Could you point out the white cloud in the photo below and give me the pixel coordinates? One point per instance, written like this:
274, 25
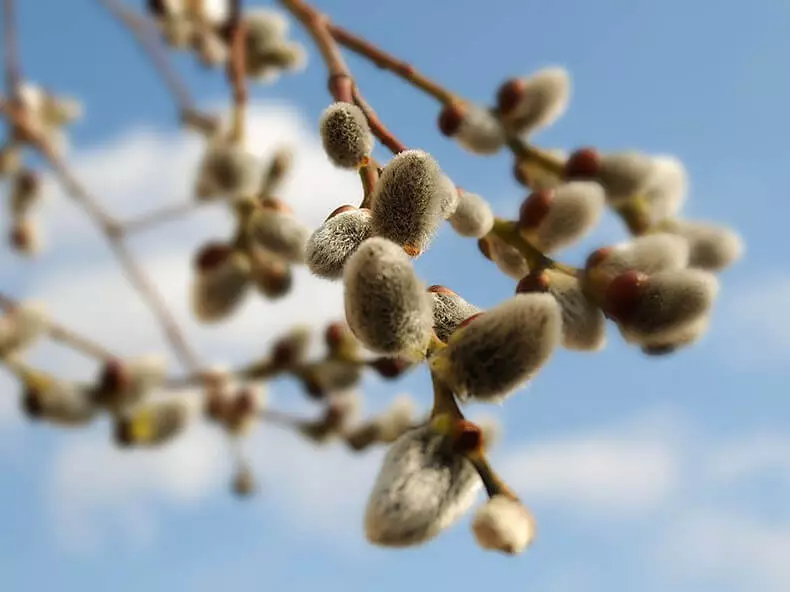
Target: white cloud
750, 457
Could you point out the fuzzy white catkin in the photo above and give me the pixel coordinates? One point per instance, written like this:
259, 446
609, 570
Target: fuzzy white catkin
507, 258
396, 419
546, 96
146, 373
265, 28
158, 423
711, 247
473, 216
583, 323
386, 305
449, 195
218, 292
421, 490
279, 233
345, 135
670, 303
501, 350
21, 328
227, 170
648, 254
480, 132
409, 198
625, 175
330, 246
575, 210
449, 311
666, 189
504, 524
269, 274
60, 403
334, 375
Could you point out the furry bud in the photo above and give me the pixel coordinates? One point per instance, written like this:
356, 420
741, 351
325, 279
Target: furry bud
346, 135
57, 402
321, 378
220, 283
330, 246
386, 306
242, 410
711, 247
24, 237
583, 323
449, 311
291, 349
554, 219
647, 254
507, 258
265, 29
280, 233
179, 33
529, 104
124, 384
501, 349
25, 192
210, 48
657, 309
271, 276
227, 170
473, 216
153, 424
666, 189
21, 328
475, 128
340, 342
390, 368
625, 175
583, 164
408, 200
420, 491
504, 524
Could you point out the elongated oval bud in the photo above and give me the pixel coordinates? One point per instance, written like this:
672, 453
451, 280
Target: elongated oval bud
408, 200
329, 376
647, 254
624, 175
346, 135
711, 247
341, 343
220, 283
507, 258
475, 128
58, 402
502, 349
335, 241
25, 192
473, 216
420, 491
153, 424
280, 233
529, 104
25, 237
386, 305
660, 307
123, 384
271, 276
504, 524
291, 349
666, 189
21, 328
227, 170
10, 159
449, 311
265, 29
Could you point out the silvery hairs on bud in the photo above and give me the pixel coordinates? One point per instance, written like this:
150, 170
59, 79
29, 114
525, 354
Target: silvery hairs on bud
335, 241
544, 100
279, 233
409, 198
625, 175
507, 258
480, 132
346, 135
449, 311
449, 201
473, 216
219, 291
711, 247
649, 254
583, 323
666, 188
386, 305
575, 210
502, 349
226, 170
503, 524
265, 29
422, 489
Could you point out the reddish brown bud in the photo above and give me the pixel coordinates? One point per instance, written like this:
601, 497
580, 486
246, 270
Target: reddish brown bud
510, 94
122, 433
23, 237
215, 407
340, 210
244, 403
450, 118
484, 247
313, 387
468, 438
466, 322
115, 377
437, 289
623, 294
211, 255
390, 367
31, 403
584, 163
536, 281
535, 208
335, 334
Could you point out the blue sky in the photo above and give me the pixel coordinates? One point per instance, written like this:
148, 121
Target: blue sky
643, 473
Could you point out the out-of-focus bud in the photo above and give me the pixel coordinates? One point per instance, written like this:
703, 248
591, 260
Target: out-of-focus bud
408, 200
335, 241
21, 328
583, 164
25, 237
500, 350
221, 280
271, 276
420, 491
291, 349
529, 104
244, 484
711, 247
124, 384
10, 159
449, 311
666, 189
473, 216
25, 192
385, 302
387, 427
227, 170
390, 368
346, 135
242, 410
475, 128
153, 424
340, 411
553, 219
279, 233
276, 171
327, 376
504, 524
211, 49
536, 175
217, 392
62, 403
179, 33
660, 308
507, 258
269, 64
265, 29
625, 175
340, 342
60, 111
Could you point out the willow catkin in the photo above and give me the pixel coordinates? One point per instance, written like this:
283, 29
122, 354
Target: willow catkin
220, 283
473, 216
346, 135
479, 131
266, 28
227, 170
507, 258
666, 189
270, 275
711, 247
330, 246
504, 524
21, 328
535, 102
279, 233
624, 175
583, 323
26, 191
386, 305
421, 490
648, 254
153, 424
408, 200
502, 349
449, 311
58, 402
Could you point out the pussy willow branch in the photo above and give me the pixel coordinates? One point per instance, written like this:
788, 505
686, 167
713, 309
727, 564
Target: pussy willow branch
13, 74
237, 69
165, 214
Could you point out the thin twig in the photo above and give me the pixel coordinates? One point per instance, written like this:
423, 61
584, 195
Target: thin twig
378, 128
165, 214
237, 75
13, 71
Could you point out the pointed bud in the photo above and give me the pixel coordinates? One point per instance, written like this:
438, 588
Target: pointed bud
386, 306
220, 283
346, 135
449, 311
409, 198
153, 424
335, 241
279, 233
26, 191
583, 323
475, 128
711, 247
504, 524
271, 276
530, 104
473, 216
420, 491
58, 402
227, 170
502, 349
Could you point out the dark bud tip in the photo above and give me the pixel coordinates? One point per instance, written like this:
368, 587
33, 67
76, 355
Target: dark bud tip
215, 407
510, 94
122, 433
28, 180
390, 367
658, 350
451, 118
211, 255
244, 403
536, 281
623, 294
412, 251
597, 257
340, 210
584, 163
114, 376
534, 209
438, 289
21, 237
31, 403
468, 438
334, 334
468, 320
484, 247
313, 387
